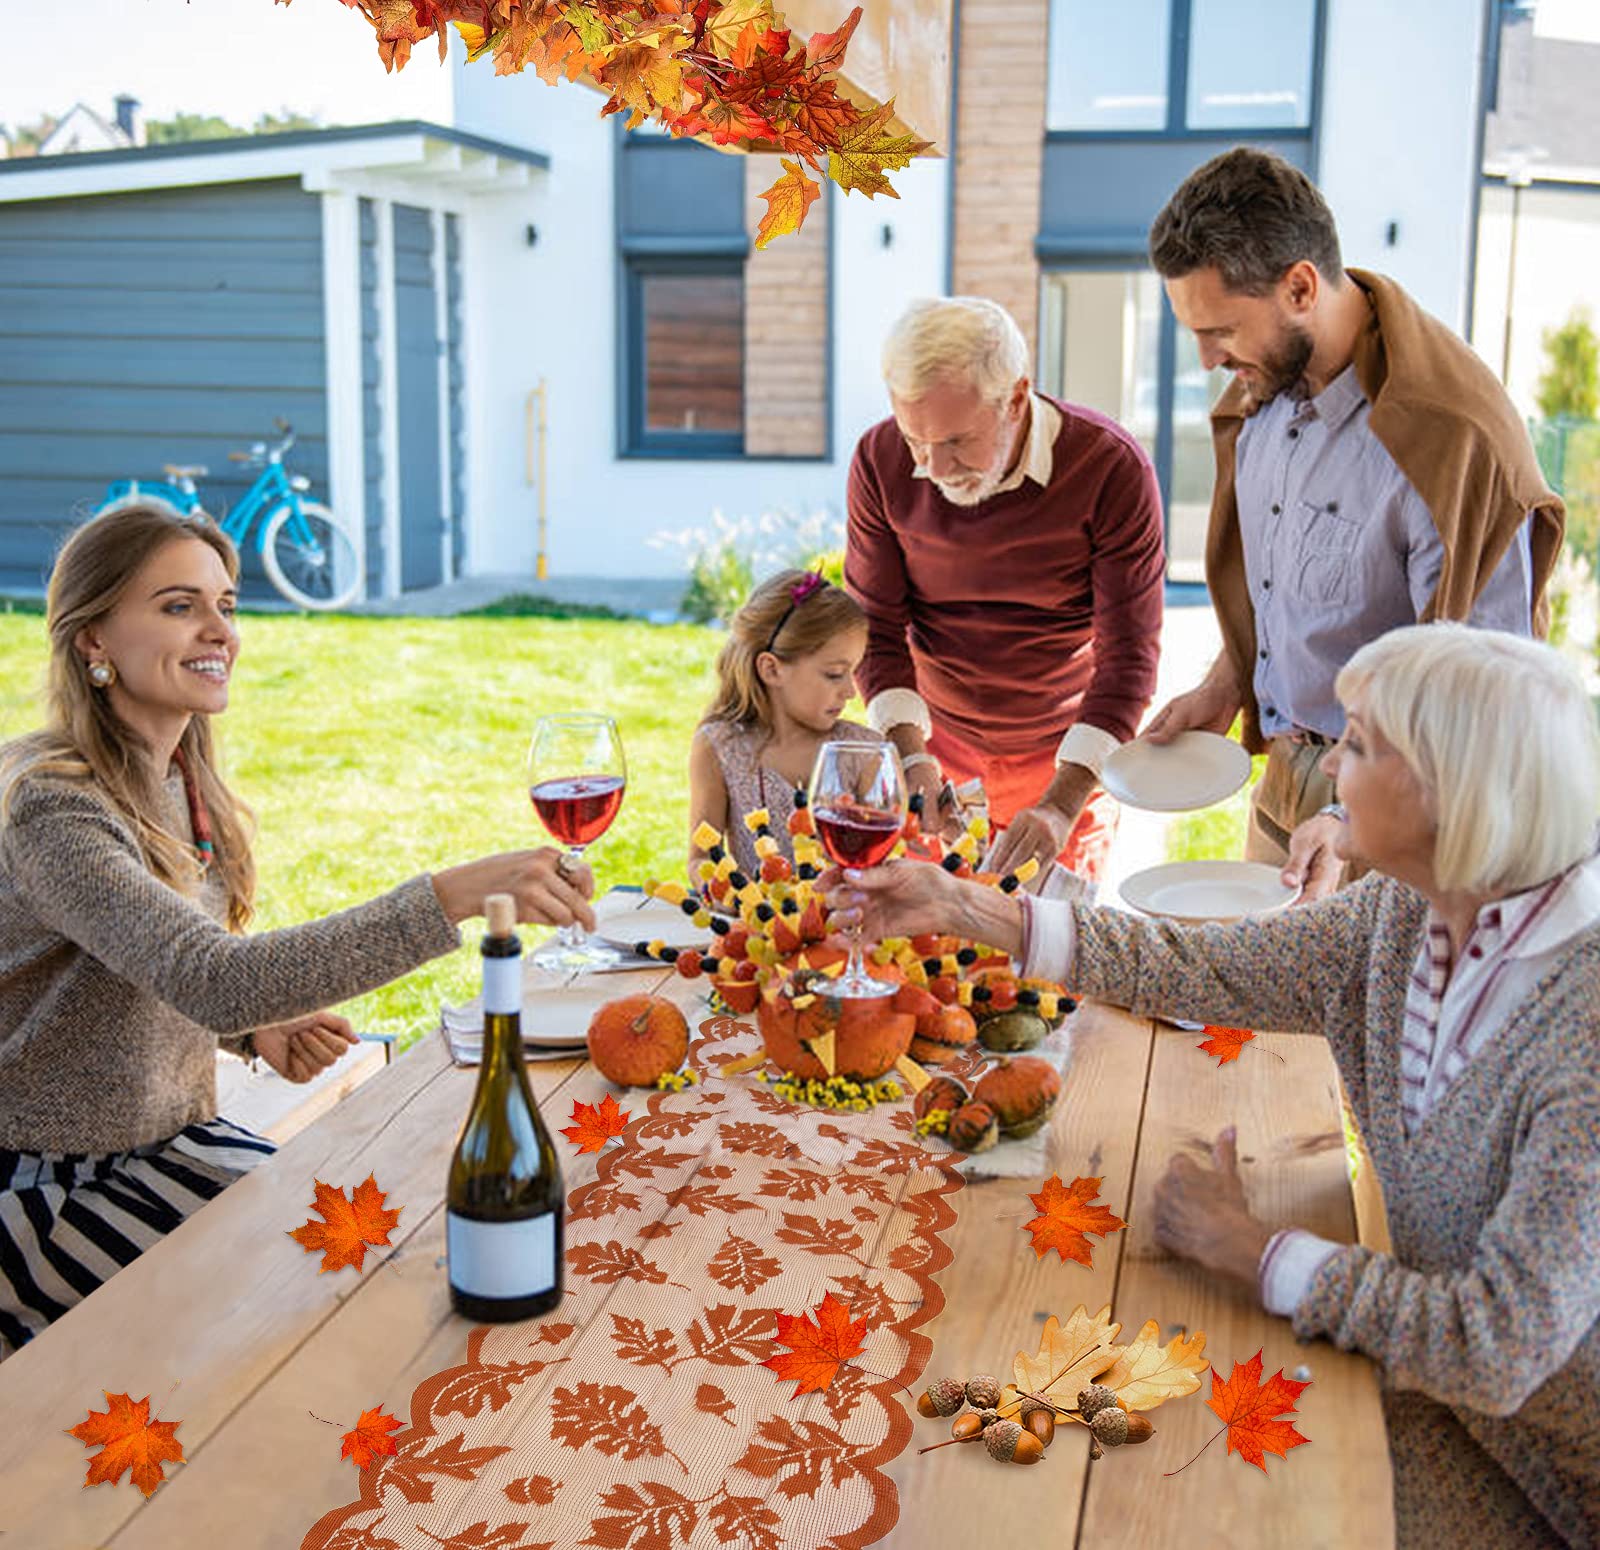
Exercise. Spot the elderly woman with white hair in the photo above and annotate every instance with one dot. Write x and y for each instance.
(1459, 988)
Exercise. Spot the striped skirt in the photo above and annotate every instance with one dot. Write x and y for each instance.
(69, 1222)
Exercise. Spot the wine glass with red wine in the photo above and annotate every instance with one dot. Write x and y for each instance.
(858, 800)
(576, 778)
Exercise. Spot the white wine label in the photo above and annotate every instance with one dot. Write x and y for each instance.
(502, 985)
(501, 1259)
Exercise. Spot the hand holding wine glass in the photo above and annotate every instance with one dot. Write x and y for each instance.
(858, 799)
(576, 778)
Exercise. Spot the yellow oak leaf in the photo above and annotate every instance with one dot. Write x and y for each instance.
(863, 150)
(1149, 1373)
(1070, 1357)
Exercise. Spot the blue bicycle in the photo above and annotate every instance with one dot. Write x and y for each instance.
(307, 552)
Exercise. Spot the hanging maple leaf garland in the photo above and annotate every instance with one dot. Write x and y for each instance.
(726, 69)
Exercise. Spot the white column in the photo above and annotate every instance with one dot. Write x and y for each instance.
(441, 323)
(341, 334)
(388, 396)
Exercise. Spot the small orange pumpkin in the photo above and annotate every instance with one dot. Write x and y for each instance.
(943, 1092)
(636, 1039)
(1022, 1091)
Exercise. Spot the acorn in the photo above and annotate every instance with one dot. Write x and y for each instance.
(1094, 1399)
(1113, 1427)
(983, 1392)
(965, 1426)
(1009, 1443)
(1041, 1421)
(988, 1417)
(945, 1397)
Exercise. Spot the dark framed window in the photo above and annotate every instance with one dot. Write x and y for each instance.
(683, 330)
(1181, 67)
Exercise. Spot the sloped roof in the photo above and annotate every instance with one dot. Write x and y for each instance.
(1548, 101)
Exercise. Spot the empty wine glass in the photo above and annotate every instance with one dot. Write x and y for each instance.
(576, 777)
(858, 799)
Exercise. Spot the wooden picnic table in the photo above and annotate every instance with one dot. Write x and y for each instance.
(228, 1327)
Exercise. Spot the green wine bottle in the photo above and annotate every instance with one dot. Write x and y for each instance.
(505, 1203)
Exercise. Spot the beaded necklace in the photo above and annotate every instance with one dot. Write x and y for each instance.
(199, 818)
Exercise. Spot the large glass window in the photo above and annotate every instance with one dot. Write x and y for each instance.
(1108, 64)
(1193, 471)
(1102, 333)
(1250, 63)
(686, 354)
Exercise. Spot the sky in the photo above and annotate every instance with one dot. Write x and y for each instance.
(234, 58)
(241, 58)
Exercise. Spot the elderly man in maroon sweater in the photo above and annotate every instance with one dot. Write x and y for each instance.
(1007, 549)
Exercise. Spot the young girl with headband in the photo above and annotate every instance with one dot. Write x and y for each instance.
(783, 680)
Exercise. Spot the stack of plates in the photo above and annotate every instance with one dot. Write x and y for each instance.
(555, 1024)
(1194, 770)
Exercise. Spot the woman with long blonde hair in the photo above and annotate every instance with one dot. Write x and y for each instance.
(126, 881)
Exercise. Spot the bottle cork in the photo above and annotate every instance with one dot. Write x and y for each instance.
(500, 910)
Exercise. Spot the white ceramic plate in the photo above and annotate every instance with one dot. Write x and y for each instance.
(625, 918)
(1194, 770)
(551, 1019)
(1196, 891)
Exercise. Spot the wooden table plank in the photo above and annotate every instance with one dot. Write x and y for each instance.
(1334, 1492)
(220, 1305)
(999, 1293)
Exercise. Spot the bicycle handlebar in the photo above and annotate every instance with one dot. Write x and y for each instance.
(259, 453)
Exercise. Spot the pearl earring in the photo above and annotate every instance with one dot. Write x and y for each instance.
(102, 674)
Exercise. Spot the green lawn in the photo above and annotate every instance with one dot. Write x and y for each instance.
(372, 749)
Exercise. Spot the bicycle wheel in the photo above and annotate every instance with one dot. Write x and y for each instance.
(311, 559)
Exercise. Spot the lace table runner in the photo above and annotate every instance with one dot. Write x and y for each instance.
(638, 1416)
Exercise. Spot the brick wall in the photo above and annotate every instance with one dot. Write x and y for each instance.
(1000, 108)
(785, 328)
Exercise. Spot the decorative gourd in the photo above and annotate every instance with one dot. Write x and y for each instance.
(943, 1034)
(1014, 1030)
(974, 1127)
(1022, 1092)
(942, 1092)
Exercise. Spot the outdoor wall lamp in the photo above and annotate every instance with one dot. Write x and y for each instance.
(887, 236)
(532, 234)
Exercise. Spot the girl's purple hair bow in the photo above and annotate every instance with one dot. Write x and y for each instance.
(812, 581)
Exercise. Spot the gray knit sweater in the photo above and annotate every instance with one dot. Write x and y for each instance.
(1486, 1317)
(114, 988)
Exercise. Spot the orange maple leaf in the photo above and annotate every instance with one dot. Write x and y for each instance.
(826, 49)
(787, 202)
(1250, 1408)
(348, 1226)
(1065, 1216)
(128, 1439)
(1225, 1043)
(593, 1126)
(370, 1439)
(820, 1346)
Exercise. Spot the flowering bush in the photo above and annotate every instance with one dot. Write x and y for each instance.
(727, 559)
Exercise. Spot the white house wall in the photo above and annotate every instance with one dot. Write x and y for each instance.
(549, 312)
(1399, 140)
